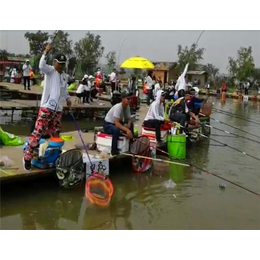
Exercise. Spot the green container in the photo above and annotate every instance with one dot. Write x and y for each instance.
(177, 146)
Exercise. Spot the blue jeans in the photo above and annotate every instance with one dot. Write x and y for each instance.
(111, 129)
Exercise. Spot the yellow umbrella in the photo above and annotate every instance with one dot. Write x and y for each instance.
(137, 63)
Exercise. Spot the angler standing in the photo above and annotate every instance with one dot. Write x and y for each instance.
(26, 74)
(50, 112)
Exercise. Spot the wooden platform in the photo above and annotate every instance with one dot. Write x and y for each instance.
(15, 153)
(35, 90)
(17, 104)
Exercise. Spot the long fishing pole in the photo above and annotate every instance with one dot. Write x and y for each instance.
(227, 132)
(252, 156)
(236, 116)
(225, 111)
(218, 121)
(154, 159)
(203, 170)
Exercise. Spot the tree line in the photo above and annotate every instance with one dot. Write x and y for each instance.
(84, 55)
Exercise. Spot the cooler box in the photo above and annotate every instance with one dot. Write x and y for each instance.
(50, 156)
(150, 133)
(104, 143)
(101, 165)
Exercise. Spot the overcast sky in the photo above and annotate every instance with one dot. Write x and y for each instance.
(157, 45)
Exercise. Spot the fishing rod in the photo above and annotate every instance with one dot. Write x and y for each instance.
(236, 116)
(154, 159)
(218, 121)
(252, 156)
(232, 113)
(201, 169)
(235, 135)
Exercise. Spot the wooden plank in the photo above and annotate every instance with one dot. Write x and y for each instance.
(32, 104)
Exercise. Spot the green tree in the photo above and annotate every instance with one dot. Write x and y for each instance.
(37, 42)
(211, 70)
(243, 67)
(4, 55)
(72, 64)
(88, 51)
(190, 55)
(61, 44)
(111, 60)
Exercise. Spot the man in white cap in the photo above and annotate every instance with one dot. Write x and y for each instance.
(26, 74)
(50, 112)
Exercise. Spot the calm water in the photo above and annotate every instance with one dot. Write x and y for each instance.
(143, 202)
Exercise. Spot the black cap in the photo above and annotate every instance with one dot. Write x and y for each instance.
(60, 58)
(126, 95)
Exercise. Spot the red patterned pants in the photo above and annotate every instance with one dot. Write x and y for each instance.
(47, 123)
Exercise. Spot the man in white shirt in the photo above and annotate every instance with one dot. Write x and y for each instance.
(50, 112)
(157, 87)
(246, 87)
(113, 80)
(113, 121)
(26, 74)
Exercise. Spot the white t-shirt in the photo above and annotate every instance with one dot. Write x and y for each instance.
(118, 112)
(88, 86)
(150, 82)
(246, 85)
(113, 77)
(156, 88)
(26, 70)
(80, 89)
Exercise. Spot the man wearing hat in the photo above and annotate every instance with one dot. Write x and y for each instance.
(114, 119)
(50, 112)
(26, 74)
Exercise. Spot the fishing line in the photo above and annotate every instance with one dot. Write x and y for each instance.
(234, 135)
(232, 115)
(206, 171)
(218, 121)
(225, 111)
(77, 127)
(252, 156)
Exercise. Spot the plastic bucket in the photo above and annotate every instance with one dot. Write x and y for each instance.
(176, 145)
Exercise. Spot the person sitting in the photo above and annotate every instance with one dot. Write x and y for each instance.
(155, 115)
(170, 91)
(81, 92)
(179, 111)
(157, 87)
(194, 103)
(114, 119)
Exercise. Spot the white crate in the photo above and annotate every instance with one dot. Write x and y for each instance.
(152, 135)
(104, 143)
(101, 165)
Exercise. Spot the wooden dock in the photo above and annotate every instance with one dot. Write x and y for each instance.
(36, 91)
(15, 153)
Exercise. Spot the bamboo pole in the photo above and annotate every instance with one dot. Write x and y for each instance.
(155, 159)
